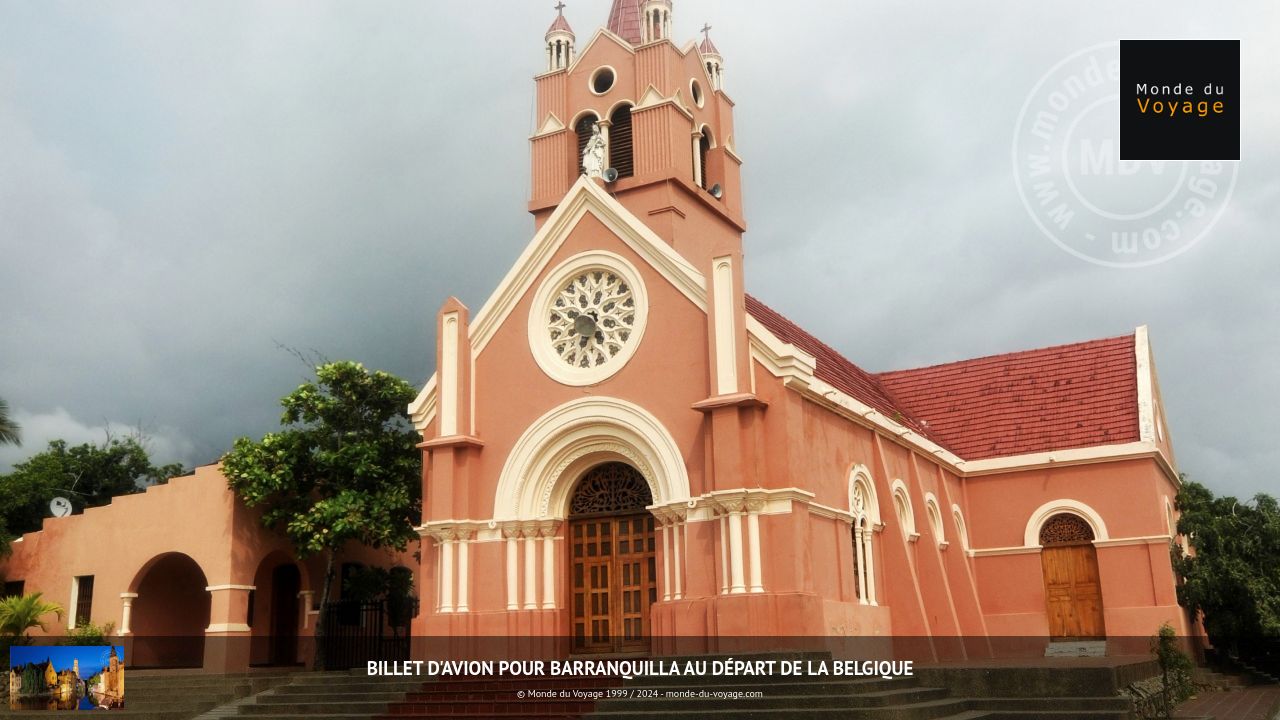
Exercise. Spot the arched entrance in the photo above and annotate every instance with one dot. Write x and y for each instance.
(612, 560)
(274, 613)
(170, 613)
(1072, 588)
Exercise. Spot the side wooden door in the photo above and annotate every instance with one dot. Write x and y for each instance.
(1073, 592)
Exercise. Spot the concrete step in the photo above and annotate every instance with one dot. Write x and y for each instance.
(933, 710)
(274, 698)
(306, 706)
(1056, 704)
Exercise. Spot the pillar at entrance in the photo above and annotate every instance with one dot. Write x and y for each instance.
(126, 611)
(226, 640)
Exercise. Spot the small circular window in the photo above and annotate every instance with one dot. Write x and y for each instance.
(602, 80)
(695, 89)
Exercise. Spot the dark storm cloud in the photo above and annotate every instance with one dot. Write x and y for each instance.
(184, 187)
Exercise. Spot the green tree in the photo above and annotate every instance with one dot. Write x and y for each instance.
(10, 431)
(1232, 574)
(344, 469)
(88, 475)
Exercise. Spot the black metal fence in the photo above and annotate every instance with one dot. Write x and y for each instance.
(356, 632)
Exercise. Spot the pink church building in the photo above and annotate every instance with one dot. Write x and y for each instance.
(624, 451)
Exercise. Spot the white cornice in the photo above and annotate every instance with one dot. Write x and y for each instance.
(1146, 386)
(797, 373)
(585, 196)
(423, 408)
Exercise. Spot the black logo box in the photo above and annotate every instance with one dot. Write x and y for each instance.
(1158, 78)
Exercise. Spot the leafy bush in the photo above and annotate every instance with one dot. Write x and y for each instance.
(89, 634)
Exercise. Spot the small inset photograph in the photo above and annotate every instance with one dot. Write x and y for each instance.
(66, 677)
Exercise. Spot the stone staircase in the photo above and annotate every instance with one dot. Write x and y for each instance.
(325, 695)
(1010, 693)
(938, 693)
(178, 695)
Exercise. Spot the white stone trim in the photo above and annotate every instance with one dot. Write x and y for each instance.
(448, 374)
(228, 627)
(585, 196)
(1012, 550)
(1146, 386)
(126, 611)
(540, 344)
(75, 600)
(534, 482)
(1031, 537)
(591, 80)
(217, 588)
(724, 316)
(552, 124)
(906, 513)
(423, 408)
(512, 542)
(1031, 549)
(1136, 540)
(796, 369)
(934, 514)
(962, 528)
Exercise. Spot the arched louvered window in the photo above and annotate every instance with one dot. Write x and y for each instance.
(621, 153)
(704, 146)
(583, 128)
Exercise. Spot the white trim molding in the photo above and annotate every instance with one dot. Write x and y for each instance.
(216, 588)
(1146, 386)
(1031, 537)
(901, 499)
(933, 512)
(724, 322)
(539, 473)
(228, 627)
(962, 528)
(540, 343)
(584, 197)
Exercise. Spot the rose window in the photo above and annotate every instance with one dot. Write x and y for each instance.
(592, 318)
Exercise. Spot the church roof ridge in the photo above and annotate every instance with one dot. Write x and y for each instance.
(1071, 395)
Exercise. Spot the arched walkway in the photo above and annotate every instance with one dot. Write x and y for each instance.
(168, 613)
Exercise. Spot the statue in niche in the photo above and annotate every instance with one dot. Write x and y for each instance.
(593, 155)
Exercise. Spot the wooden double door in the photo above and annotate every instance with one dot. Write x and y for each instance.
(1073, 591)
(613, 562)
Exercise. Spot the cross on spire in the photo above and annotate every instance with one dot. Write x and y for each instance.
(560, 7)
(706, 30)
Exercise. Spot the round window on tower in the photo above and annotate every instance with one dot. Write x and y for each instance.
(695, 89)
(602, 80)
(587, 318)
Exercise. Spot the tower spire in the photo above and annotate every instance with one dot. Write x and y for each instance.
(624, 20)
(560, 41)
(711, 58)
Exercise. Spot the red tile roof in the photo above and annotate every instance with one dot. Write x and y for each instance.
(833, 367)
(706, 47)
(624, 20)
(1068, 396)
(560, 24)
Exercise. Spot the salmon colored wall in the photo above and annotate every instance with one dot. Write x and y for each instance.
(167, 545)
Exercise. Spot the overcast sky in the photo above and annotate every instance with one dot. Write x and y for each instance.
(186, 186)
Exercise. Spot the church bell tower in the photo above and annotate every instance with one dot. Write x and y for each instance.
(653, 122)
